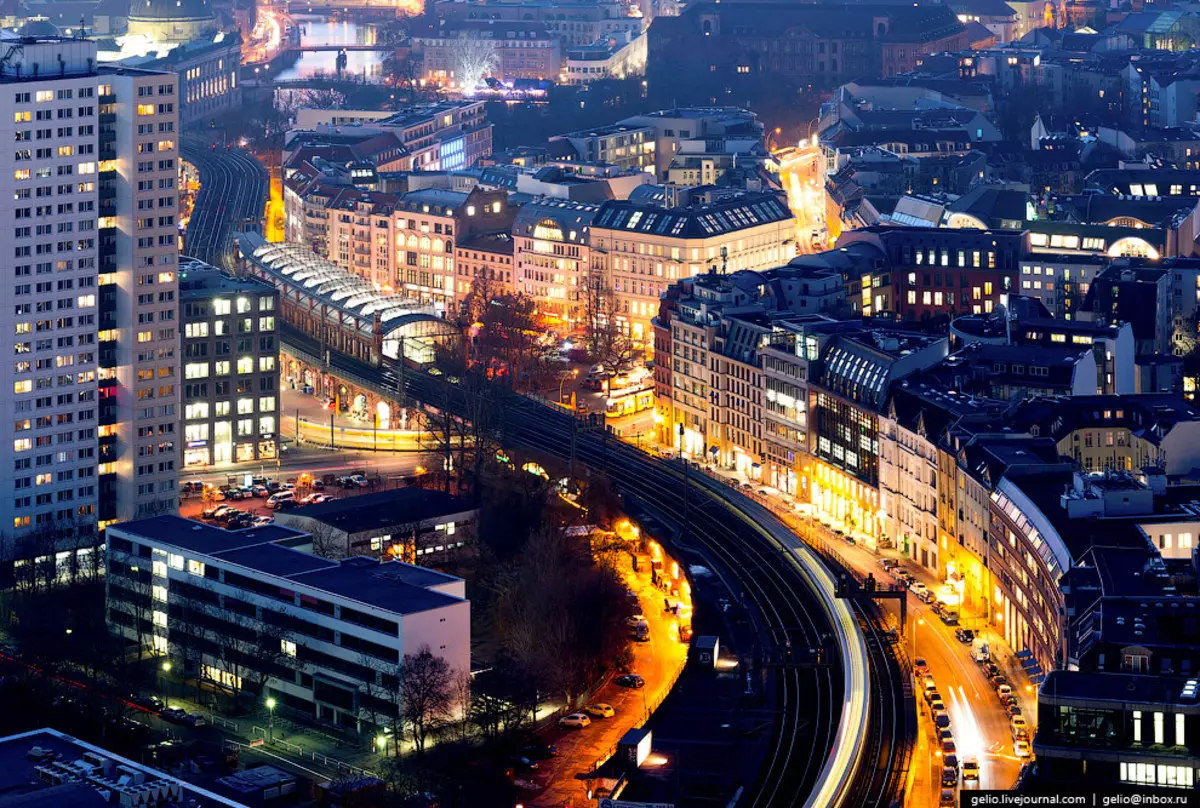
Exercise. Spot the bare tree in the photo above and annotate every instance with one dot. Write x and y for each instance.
(472, 57)
(327, 541)
(426, 695)
(607, 344)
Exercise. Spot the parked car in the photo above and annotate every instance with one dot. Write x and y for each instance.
(1014, 709)
(259, 521)
(1003, 690)
(917, 588)
(634, 619)
(631, 680)
(941, 719)
(214, 512)
(260, 490)
(1020, 729)
(1021, 749)
(152, 703)
(998, 681)
(946, 798)
(540, 751)
(937, 704)
(315, 499)
(358, 481)
(970, 768)
(932, 696)
(276, 500)
(575, 721)
(990, 669)
(944, 734)
(520, 763)
(194, 720)
(888, 563)
(964, 635)
(174, 715)
(920, 666)
(948, 748)
(949, 617)
(949, 777)
(600, 710)
(191, 487)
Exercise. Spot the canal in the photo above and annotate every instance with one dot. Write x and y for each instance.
(317, 30)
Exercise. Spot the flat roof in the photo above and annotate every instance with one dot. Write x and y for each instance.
(385, 509)
(392, 585)
(20, 784)
(1062, 687)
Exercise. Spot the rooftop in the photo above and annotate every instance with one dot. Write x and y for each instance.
(391, 586)
(385, 509)
(198, 280)
(1065, 687)
(724, 215)
(83, 771)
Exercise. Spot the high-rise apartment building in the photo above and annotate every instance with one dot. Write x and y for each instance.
(90, 293)
(138, 131)
(48, 203)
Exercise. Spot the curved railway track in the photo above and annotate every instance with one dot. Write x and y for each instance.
(233, 195)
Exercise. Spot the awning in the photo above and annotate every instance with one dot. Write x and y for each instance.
(1034, 670)
(1024, 653)
(1029, 662)
(1038, 679)
(713, 450)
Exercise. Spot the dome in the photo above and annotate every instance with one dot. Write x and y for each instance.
(39, 27)
(171, 10)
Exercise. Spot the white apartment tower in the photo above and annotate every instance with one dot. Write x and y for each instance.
(139, 290)
(72, 200)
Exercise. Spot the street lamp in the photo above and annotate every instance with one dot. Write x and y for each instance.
(270, 720)
(166, 666)
(920, 621)
(562, 377)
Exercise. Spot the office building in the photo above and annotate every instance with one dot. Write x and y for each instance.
(230, 367)
(251, 610)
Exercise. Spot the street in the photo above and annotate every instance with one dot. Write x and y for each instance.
(658, 661)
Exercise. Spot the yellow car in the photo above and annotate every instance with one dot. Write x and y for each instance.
(600, 710)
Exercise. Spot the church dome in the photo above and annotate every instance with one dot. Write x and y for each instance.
(39, 27)
(171, 10)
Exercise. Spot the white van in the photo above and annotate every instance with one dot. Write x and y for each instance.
(980, 652)
(282, 496)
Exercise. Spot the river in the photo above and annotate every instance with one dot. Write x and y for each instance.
(316, 30)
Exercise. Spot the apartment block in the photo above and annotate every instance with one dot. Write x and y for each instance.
(48, 201)
(138, 130)
(254, 611)
(550, 241)
(230, 367)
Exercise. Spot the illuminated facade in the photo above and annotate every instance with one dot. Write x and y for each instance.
(551, 241)
(230, 367)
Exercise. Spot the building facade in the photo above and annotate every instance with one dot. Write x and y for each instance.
(253, 611)
(553, 258)
(230, 368)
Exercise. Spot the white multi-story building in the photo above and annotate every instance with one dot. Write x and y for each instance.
(138, 293)
(48, 204)
(90, 198)
(253, 610)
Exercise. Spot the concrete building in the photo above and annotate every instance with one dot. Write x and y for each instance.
(521, 49)
(252, 612)
(410, 524)
(611, 57)
(575, 24)
(230, 367)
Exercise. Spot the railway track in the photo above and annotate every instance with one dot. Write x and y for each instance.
(233, 196)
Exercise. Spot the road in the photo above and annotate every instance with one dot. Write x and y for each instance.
(656, 661)
(233, 191)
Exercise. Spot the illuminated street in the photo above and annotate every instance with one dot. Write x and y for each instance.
(802, 177)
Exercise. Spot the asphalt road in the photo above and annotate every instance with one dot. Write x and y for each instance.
(233, 192)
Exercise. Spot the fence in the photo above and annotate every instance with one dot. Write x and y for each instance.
(316, 757)
(224, 723)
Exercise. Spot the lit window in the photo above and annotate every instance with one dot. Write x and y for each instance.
(245, 364)
(288, 647)
(160, 619)
(159, 569)
(196, 568)
(159, 593)
(1159, 734)
(1137, 726)
(175, 561)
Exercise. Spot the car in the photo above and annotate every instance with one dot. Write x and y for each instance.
(575, 721)
(1020, 729)
(970, 768)
(241, 521)
(848, 539)
(944, 734)
(358, 481)
(949, 776)
(1021, 749)
(928, 684)
(240, 493)
(259, 521)
(949, 617)
(933, 695)
(315, 499)
(634, 619)
(521, 763)
(990, 669)
(318, 485)
(1003, 689)
(941, 719)
(540, 751)
(214, 512)
(918, 588)
(1014, 709)
(946, 798)
(938, 608)
(950, 760)
(926, 596)
(630, 680)
(600, 710)
(260, 490)
(964, 635)
(227, 513)
(194, 720)
(920, 666)
(191, 487)
(174, 715)
(1008, 700)
(998, 681)
(948, 748)
(152, 703)
(937, 704)
(888, 563)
